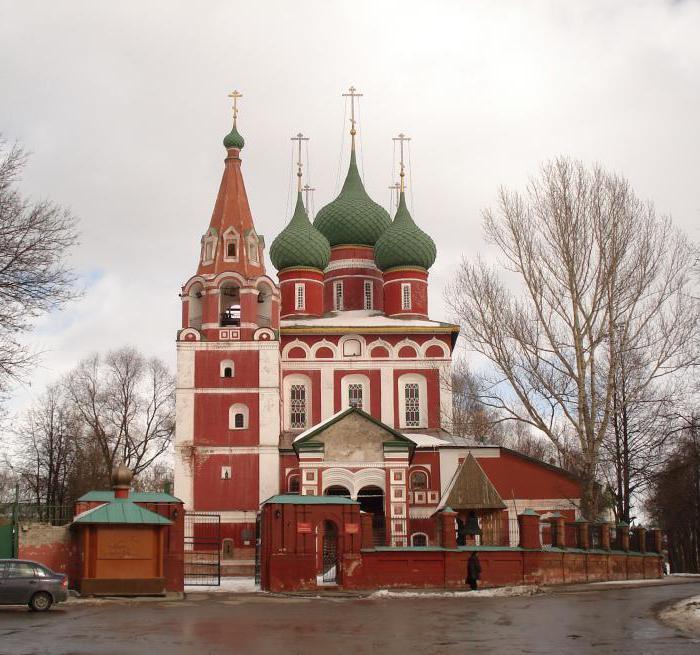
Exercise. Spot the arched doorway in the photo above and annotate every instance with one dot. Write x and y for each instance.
(337, 490)
(371, 499)
(330, 553)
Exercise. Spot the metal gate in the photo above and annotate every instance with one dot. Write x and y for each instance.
(330, 552)
(202, 549)
(258, 549)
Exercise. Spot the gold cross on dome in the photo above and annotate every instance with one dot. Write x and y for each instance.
(235, 95)
(308, 190)
(299, 138)
(402, 171)
(352, 94)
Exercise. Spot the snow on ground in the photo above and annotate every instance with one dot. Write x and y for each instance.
(228, 585)
(684, 615)
(500, 592)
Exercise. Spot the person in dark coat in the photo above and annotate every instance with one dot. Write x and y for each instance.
(473, 571)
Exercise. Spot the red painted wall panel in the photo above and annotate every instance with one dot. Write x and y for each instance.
(238, 493)
(211, 419)
(207, 371)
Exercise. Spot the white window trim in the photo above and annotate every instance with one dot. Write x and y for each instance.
(422, 534)
(289, 380)
(409, 378)
(406, 299)
(338, 305)
(227, 241)
(349, 340)
(345, 383)
(224, 470)
(227, 363)
(368, 294)
(299, 295)
(238, 408)
(253, 251)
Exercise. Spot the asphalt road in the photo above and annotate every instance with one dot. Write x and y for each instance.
(561, 621)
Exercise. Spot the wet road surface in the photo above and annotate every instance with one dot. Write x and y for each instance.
(559, 621)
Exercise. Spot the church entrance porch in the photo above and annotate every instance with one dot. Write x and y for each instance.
(371, 501)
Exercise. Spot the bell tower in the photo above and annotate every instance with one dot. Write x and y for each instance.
(228, 369)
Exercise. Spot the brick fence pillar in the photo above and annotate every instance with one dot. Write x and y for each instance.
(557, 529)
(529, 524)
(658, 540)
(624, 529)
(641, 538)
(584, 540)
(605, 536)
(447, 528)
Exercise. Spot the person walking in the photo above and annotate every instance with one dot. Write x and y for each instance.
(473, 571)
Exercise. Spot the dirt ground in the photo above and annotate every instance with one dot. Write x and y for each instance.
(599, 620)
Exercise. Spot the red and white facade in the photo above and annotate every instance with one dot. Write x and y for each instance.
(260, 363)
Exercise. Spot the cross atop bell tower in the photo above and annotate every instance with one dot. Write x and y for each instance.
(352, 94)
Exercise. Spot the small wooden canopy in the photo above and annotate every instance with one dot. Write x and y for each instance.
(471, 489)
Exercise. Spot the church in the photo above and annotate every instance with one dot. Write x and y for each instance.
(331, 379)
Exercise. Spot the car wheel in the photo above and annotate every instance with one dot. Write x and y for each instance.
(41, 601)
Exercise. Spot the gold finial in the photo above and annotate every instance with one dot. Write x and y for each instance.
(235, 95)
(397, 188)
(402, 170)
(352, 94)
(299, 137)
(307, 191)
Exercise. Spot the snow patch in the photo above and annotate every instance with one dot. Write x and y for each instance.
(228, 585)
(358, 318)
(684, 615)
(500, 592)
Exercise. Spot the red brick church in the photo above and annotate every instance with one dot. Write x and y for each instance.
(329, 379)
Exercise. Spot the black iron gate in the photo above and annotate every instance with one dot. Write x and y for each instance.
(330, 552)
(258, 549)
(202, 549)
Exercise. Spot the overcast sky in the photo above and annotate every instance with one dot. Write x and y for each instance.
(124, 107)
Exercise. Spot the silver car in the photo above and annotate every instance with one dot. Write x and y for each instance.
(23, 582)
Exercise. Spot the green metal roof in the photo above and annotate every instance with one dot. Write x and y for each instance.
(353, 218)
(404, 243)
(300, 243)
(233, 139)
(135, 496)
(121, 511)
(295, 499)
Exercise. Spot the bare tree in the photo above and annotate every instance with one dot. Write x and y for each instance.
(598, 274)
(127, 403)
(50, 449)
(35, 238)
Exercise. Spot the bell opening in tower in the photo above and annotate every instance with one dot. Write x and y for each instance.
(230, 304)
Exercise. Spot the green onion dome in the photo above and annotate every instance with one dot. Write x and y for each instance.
(404, 243)
(353, 217)
(300, 243)
(233, 139)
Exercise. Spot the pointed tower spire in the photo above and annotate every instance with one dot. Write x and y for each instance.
(231, 242)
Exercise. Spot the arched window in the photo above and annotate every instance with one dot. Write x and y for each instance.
(263, 315)
(419, 481)
(230, 305)
(238, 417)
(413, 408)
(293, 484)
(419, 539)
(355, 392)
(297, 400)
(226, 368)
